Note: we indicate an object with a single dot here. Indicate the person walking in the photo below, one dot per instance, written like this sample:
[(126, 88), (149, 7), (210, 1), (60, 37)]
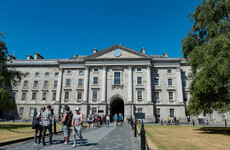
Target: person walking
[(66, 121), (120, 119), (77, 126), (115, 119), (39, 127), (107, 120), (47, 116)]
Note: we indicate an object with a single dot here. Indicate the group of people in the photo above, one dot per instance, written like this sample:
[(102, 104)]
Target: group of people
[(95, 120), (172, 120), (118, 119), (69, 119)]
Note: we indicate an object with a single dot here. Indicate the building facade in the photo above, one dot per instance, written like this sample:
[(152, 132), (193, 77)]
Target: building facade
[(114, 80)]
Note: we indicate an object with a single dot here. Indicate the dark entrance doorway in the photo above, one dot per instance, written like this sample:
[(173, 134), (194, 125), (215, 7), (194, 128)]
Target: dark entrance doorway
[(116, 107)]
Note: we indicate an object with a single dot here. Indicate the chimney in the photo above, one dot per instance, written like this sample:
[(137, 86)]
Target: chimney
[(94, 50), (165, 54), (143, 50), (75, 56), (11, 57), (29, 57), (38, 56)]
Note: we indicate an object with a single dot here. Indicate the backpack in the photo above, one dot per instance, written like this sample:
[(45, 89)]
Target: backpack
[(35, 121), (69, 119)]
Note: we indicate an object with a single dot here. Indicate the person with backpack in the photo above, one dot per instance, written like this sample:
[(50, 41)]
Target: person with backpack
[(38, 128), (66, 121), (47, 117), (77, 126)]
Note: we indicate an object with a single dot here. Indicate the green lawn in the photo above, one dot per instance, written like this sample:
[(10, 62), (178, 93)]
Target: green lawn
[(187, 137)]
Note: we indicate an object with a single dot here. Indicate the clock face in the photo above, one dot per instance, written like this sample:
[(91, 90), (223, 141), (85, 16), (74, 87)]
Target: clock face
[(117, 53)]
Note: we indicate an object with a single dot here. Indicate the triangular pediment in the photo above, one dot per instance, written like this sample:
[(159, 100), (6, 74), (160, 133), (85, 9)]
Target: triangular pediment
[(123, 52)]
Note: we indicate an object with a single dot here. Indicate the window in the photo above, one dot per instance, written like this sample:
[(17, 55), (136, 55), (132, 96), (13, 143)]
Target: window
[(169, 82), (43, 95), (95, 69), (31, 111), (95, 80), (54, 96), (14, 96), (66, 94), (56, 74), (224, 115), (212, 116), (158, 112), (15, 84), (45, 84), (157, 97), (184, 83), (21, 109), (47, 74), (183, 73), (79, 95), (34, 94), (155, 71), (117, 78), (170, 95), (169, 71), (23, 95), (68, 71), (138, 69), (94, 94), (139, 94), (36, 74), (79, 82), (156, 81), (94, 110), (139, 110), (171, 112), (55, 84), (35, 84), (67, 83), (185, 97), (25, 85), (27, 74), (80, 71), (139, 80)]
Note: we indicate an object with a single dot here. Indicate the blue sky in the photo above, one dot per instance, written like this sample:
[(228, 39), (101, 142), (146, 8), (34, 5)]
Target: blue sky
[(59, 29)]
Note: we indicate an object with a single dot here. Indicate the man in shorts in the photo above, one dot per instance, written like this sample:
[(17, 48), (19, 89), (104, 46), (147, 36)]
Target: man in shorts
[(77, 126), (120, 119), (66, 126)]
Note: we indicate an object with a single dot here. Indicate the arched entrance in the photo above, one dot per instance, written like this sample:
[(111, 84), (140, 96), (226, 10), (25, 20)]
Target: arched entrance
[(116, 107)]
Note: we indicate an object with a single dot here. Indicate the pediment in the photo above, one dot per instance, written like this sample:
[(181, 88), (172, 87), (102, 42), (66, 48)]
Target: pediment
[(125, 52)]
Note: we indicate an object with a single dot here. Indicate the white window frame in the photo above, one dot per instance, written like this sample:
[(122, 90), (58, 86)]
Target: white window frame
[(56, 74), (27, 74), (79, 82), (139, 70), (21, 110), (47, 74), (95, 80), (55, 83), (169, 69), (44, 95), (155, 97), (79, 92), (184, 81), (34, 97), (141, 98), (81, 72), (170, 112), (25, 86), (158, 82), (23, 98), (155, 72), (169, 95), (224, 116), (54, 95), (67, 82), (171, 80), (68, 72), (95, 70), (212, 115), (94, 90), (139, 110), (34, 84), (66, 97), (36, 74), (140, 80), (94, 109), (45, 84), (31, 111), (114, 77)]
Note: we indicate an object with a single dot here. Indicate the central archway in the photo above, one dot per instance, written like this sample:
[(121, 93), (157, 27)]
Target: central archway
[(116, 107)]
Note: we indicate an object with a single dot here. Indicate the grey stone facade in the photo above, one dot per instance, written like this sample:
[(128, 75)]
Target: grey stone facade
[(89, 82)]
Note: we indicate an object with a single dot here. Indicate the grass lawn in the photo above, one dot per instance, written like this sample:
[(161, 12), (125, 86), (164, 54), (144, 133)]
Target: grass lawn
[(21, 127), (187, 137)]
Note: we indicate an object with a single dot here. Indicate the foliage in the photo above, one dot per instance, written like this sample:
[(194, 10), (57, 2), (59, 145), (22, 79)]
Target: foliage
[(7, 76), (207, 50)]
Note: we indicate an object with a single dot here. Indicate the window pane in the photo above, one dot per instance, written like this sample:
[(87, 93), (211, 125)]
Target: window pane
[(34, 95), (23, 95), (183, 73), (80, 71), (94, 110), (94, 94), (55, 83), (47, 74), (157, 96), (184, 84), (25, 84), (56, 74), (185, 97), (169, 81), (139, 110), (31, 111), (36, 74), (96, 69), (158, 112), (156, 82), (21, 111), (68, 71), (171, 112), (139, 94), (54, 96), (79, 82), (67, 95), (44, 96), (45, 84), (79, 94), (170, 95), (117, 77), (138, 69), (35, 84), (155, 71), (95, 80), (67, 82), (139, 80), (169, 70)]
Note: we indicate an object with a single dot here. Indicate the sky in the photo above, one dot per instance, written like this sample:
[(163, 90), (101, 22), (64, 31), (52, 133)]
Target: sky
[(61, 28)]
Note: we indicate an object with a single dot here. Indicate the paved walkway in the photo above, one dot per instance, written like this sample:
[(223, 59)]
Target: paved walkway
[(112, 138)]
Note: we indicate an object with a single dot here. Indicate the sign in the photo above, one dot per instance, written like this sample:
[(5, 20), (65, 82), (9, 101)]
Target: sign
[(100, 111), (140, 115)]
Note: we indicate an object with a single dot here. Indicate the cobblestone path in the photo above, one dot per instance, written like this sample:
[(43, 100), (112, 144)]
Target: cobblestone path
[(112, 138)]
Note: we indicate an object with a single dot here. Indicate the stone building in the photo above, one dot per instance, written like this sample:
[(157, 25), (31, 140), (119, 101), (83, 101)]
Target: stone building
[(114, 80)]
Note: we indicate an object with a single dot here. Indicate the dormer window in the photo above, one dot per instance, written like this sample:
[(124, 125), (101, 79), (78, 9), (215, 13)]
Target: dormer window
[(169, 71), (139, 70), (96, 70)]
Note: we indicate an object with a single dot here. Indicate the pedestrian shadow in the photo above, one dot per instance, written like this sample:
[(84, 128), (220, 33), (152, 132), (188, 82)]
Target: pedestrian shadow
[(215, 130)]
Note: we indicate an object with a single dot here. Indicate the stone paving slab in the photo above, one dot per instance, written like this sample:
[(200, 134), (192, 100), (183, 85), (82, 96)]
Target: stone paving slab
[(113, 138)]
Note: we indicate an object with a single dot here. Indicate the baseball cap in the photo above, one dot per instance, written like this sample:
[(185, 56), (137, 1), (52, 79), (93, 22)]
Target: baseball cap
[(77, 108)]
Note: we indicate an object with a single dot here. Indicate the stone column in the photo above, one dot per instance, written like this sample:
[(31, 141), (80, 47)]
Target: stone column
[(86, 84), (130, 84), (149, 85), (179, 86), (59, 91), (104, 84)]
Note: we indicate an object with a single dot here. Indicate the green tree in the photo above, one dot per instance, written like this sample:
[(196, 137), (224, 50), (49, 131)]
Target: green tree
[(8, 76), (207, 50)]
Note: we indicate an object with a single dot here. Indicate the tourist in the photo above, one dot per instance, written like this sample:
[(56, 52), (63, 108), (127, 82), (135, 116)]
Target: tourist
[(115, 118), (66, 121), (120, 119), (95, 120), (169, 120), (207, 122), (77, 126), (39, 127), (99, 121), (107, 120), (175, 121), (47, 117), (90, 121), (103, 119), (71, 113)]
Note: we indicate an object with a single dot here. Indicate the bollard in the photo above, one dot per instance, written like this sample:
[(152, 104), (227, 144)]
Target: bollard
[(226, 123), (142, 136), (135, 129), (193, 123), (55, 129)]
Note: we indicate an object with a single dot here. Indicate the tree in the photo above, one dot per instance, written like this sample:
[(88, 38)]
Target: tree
[(207, 50), (8, 76)]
